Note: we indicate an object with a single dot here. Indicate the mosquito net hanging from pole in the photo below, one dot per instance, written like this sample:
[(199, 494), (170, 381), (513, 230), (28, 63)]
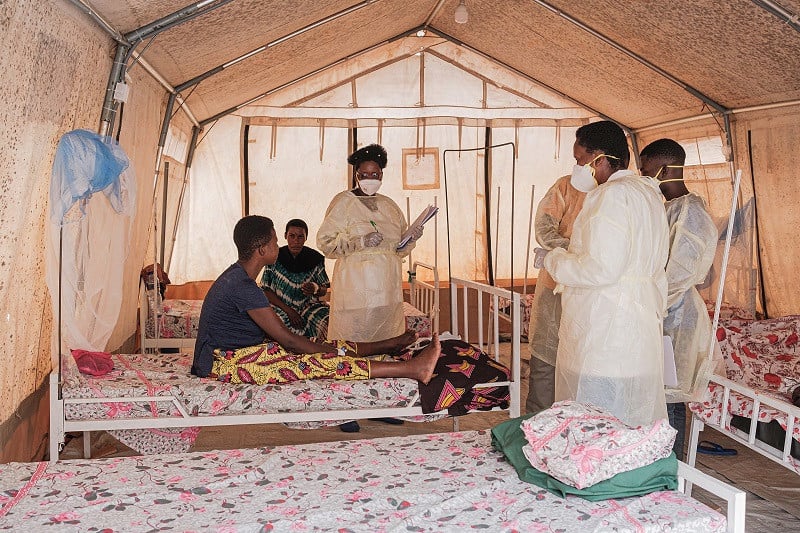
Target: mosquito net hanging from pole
[(88, 236)]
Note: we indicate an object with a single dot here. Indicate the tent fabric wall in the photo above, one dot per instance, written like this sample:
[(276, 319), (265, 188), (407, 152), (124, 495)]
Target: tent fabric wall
[(56, 69), (46, 90), (774, 146)]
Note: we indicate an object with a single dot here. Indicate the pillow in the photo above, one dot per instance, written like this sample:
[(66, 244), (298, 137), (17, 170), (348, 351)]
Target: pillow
[(580, 444), (508, 438)]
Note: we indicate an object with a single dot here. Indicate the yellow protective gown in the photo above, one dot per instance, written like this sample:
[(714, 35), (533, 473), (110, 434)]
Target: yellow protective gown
[(610, 350), (367, 292), (692, 245), (555, 217)]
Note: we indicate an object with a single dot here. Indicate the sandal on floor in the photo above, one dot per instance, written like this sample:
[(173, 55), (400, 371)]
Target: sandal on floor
[(350, 427), (712, 448)]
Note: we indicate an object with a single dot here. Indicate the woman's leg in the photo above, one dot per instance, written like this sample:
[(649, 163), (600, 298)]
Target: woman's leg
[(419, 367), (270, 363), (387, 346)]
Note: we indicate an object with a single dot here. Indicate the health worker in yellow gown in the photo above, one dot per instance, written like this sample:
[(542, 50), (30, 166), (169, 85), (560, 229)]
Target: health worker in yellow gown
[(361, 230)]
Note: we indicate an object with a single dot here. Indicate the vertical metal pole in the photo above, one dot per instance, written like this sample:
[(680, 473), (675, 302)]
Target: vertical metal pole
[(528, 249), (117, 73), (189, 159), (164, 210)]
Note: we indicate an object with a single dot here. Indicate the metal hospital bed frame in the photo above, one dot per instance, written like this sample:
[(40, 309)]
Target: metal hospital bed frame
[(60, 425)]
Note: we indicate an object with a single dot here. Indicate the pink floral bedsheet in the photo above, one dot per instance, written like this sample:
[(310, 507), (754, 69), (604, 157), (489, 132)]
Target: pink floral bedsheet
[(525, 301), (440, 482), (417, 320), (178, 319), (168, 375), (762, 355)]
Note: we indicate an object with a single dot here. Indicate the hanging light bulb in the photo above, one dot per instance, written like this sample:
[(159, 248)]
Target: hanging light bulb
[(462, 16)]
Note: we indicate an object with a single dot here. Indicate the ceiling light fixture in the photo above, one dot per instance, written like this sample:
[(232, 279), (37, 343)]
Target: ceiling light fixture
[(462, 16), (421, 33)]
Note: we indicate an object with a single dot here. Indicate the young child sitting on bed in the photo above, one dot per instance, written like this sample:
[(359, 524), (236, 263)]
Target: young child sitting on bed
[(242, 340)]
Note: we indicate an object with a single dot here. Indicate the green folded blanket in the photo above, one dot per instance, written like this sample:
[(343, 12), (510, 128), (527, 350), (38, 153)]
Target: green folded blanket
[(661, 475)]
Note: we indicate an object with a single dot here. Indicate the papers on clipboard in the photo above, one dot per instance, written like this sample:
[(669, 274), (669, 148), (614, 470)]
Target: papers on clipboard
[(427, 214)]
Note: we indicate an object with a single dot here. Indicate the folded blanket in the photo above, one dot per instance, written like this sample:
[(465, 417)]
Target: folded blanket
[(660, 475), (582, 444)]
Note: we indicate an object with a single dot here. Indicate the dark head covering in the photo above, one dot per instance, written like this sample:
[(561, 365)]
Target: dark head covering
[(373, 152)]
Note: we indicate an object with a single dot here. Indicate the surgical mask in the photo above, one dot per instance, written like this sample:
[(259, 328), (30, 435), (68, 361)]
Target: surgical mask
[(583, 175), (369, 187)]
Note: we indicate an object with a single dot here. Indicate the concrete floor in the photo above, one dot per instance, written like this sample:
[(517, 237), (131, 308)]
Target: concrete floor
[(773, 502)]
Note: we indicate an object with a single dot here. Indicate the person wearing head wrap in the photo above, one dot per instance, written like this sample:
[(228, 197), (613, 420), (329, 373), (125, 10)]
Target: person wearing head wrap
[(361, 230)]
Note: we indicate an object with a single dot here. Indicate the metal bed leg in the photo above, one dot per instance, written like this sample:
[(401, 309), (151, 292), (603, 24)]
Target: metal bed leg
[(455, 423), (56, 419), (694, 438)]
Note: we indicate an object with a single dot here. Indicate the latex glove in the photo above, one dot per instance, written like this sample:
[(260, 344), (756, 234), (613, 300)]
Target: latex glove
[(348, 246), (371, 240), (538, 257)]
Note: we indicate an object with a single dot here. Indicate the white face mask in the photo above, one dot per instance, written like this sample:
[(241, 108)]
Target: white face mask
[(583, 175), (583, 178), (370, 186)]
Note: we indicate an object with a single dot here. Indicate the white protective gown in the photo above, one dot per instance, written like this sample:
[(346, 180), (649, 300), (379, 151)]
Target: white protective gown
[(693, 243), (366, 287), (610, 350), (555, 217)]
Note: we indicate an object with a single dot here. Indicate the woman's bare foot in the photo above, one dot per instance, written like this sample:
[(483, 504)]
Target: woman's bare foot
[(423, 364)]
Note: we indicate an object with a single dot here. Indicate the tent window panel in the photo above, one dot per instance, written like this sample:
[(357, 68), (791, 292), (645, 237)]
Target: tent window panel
[(420, 168), (704, 151), (395, 85), (448, 85)]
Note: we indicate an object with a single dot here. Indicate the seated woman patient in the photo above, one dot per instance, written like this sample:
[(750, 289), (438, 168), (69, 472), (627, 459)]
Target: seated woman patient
[(295, 283), (241, 339)]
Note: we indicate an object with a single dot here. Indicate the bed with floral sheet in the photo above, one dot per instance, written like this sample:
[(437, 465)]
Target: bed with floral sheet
[(761, 364), (167, 390), (438, 482), (152, 404)]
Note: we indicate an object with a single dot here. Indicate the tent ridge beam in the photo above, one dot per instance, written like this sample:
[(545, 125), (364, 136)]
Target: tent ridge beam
[(633, 55), (185, 14), (279, 40)]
